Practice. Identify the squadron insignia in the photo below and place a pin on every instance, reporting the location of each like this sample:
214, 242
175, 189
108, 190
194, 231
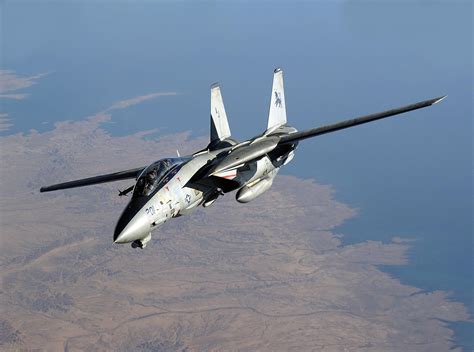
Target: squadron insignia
277, 99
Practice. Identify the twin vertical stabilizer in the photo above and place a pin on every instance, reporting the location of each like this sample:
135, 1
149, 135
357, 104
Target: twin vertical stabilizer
219, 126
277, 113
276, 116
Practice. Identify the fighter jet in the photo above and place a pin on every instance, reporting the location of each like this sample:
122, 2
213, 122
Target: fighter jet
173, 187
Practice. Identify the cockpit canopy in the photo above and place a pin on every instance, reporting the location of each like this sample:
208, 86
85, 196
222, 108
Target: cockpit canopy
156, 175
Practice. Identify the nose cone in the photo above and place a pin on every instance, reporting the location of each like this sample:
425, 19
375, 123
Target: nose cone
136, 229
131, 226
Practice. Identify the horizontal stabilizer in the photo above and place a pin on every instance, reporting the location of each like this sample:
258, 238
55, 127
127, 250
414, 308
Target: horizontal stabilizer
294, 137
116, 176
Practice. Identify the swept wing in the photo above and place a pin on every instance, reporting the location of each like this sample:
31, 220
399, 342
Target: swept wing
297, 136
116, 176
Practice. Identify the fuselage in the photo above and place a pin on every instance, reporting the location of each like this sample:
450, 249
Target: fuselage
165, 189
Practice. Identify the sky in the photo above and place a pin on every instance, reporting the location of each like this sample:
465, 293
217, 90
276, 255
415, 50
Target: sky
409, 176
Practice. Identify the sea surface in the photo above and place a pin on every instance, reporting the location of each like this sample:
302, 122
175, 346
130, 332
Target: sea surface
432, 208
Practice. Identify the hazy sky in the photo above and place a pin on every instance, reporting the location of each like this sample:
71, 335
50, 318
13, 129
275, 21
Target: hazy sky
409, 176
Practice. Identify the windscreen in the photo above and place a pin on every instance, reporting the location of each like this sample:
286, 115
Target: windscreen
155, 175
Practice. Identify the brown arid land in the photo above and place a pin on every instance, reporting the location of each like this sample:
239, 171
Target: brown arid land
267, 276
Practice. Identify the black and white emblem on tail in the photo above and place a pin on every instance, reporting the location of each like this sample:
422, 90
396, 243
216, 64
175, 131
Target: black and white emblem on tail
277, 112
277, 100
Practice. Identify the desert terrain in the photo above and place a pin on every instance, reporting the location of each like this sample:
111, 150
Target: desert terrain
271, 275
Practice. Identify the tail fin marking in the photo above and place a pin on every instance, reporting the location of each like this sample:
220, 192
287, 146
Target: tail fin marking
277, 112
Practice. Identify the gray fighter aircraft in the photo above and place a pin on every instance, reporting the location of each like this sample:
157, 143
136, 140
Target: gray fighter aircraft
173, 187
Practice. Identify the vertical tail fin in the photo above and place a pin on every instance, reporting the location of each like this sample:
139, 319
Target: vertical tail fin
277, 113
219, 126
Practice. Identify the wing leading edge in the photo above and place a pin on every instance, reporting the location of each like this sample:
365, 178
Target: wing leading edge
116, 176
297, 136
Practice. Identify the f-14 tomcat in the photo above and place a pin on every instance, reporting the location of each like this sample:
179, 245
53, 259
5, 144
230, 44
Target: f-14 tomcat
173, 187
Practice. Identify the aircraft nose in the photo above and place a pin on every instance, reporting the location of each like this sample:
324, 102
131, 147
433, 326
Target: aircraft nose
135, 229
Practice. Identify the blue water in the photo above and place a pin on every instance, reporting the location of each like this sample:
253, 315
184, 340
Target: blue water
421, 192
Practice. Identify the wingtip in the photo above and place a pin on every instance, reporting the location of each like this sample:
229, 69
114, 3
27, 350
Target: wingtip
278, 69
215, 85
437, 100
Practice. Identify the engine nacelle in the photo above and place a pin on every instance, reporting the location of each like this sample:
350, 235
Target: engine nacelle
248, 193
